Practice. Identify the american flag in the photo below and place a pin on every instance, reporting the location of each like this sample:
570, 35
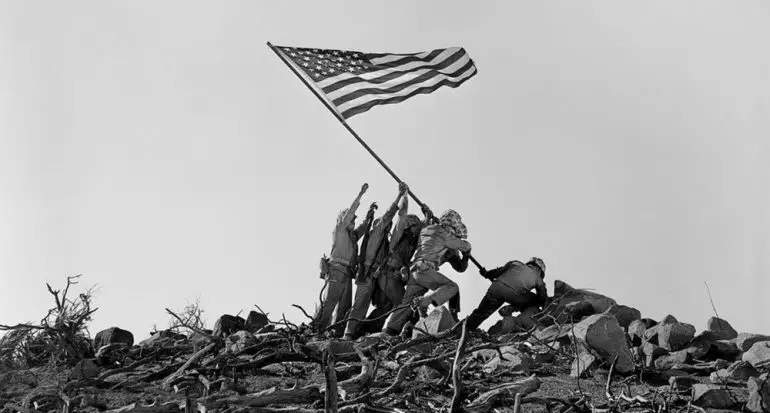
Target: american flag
354, 82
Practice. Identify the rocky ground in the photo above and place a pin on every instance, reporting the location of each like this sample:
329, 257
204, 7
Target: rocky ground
584, 352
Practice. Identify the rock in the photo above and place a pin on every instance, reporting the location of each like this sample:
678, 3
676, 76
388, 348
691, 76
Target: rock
579, 309
744, 341
669, 361
675, 336
706, 346
437, 321
584, 361
567, 295
255, 321
722, 329
113, 335
759, 354
513, 361
511, 325
709, 395
603, 335
84, 369
739, 371
636, 332
652, 352
240, 340
649, 323
682, 382
198, 338
161, 338
625, 315
553, 334
227, 324
759, 394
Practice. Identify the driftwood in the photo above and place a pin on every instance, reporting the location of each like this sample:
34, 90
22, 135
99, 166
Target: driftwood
486, 401
273, 395
331, 394
363, 379
126, 369
457, 381
195, 357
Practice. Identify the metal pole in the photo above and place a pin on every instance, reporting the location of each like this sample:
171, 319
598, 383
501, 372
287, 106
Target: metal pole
352, 132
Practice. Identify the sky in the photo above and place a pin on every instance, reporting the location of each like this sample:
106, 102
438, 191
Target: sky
164, 152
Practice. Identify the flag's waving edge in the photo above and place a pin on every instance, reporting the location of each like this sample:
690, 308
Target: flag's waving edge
353, 82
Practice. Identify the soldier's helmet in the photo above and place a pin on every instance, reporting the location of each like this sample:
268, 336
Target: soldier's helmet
452, 220
539, 263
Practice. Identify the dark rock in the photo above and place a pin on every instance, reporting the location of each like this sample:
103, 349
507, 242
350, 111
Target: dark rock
84, 369
722, 329
603, 335
636, 332
440, 319
579, 309
113, 335
744, 341
759, 354
668, 319
255, 321
649, 323
706, 346
709, 395
669, 361
759, 394
625, 315
675, 336
228, 324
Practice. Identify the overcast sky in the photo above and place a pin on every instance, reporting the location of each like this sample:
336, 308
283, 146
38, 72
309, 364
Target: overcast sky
164, 152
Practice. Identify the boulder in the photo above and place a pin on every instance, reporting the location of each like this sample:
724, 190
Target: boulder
674, 336
84, 369
744, 341
583, 362
649, 323
603, 335
255, 321
625, 315
566, 295
652, 352
759, 394
739, 371
513, 361
512, 325
759, 354
228, 324
440, 319
636, 332
668, 319
721, 329
713, 396
240, 340
113, 335
706, 346
672, 360
579, 309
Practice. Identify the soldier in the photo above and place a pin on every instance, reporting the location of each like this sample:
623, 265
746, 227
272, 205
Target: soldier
376, 252
339, 268
512, 283
438, 244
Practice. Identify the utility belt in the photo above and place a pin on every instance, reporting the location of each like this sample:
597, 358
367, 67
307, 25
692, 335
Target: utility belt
423, 266
326, 262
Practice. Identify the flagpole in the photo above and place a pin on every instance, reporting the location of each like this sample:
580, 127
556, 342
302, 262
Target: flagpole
352, 132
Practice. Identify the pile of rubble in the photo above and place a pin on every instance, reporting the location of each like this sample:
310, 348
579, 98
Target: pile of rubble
584, 352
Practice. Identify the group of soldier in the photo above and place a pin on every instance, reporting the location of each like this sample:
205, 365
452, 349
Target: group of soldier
398, 272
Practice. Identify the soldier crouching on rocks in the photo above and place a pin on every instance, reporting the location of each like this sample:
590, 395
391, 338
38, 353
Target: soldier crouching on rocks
339, 268
438, 244
512, 284
376, 252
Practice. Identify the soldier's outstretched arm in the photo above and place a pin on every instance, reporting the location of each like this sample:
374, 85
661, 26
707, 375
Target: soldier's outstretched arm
351, 212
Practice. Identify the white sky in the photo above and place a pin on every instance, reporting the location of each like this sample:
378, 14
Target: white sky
162, 150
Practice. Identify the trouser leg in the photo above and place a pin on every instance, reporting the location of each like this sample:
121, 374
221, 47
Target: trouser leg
360, 306
336, 284
443, 288
343, 308
402, 315
488, 305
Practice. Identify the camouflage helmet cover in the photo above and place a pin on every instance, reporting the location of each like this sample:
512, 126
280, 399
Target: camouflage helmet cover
453, 222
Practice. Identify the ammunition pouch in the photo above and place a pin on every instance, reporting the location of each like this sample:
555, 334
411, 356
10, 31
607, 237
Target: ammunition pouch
324, 267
